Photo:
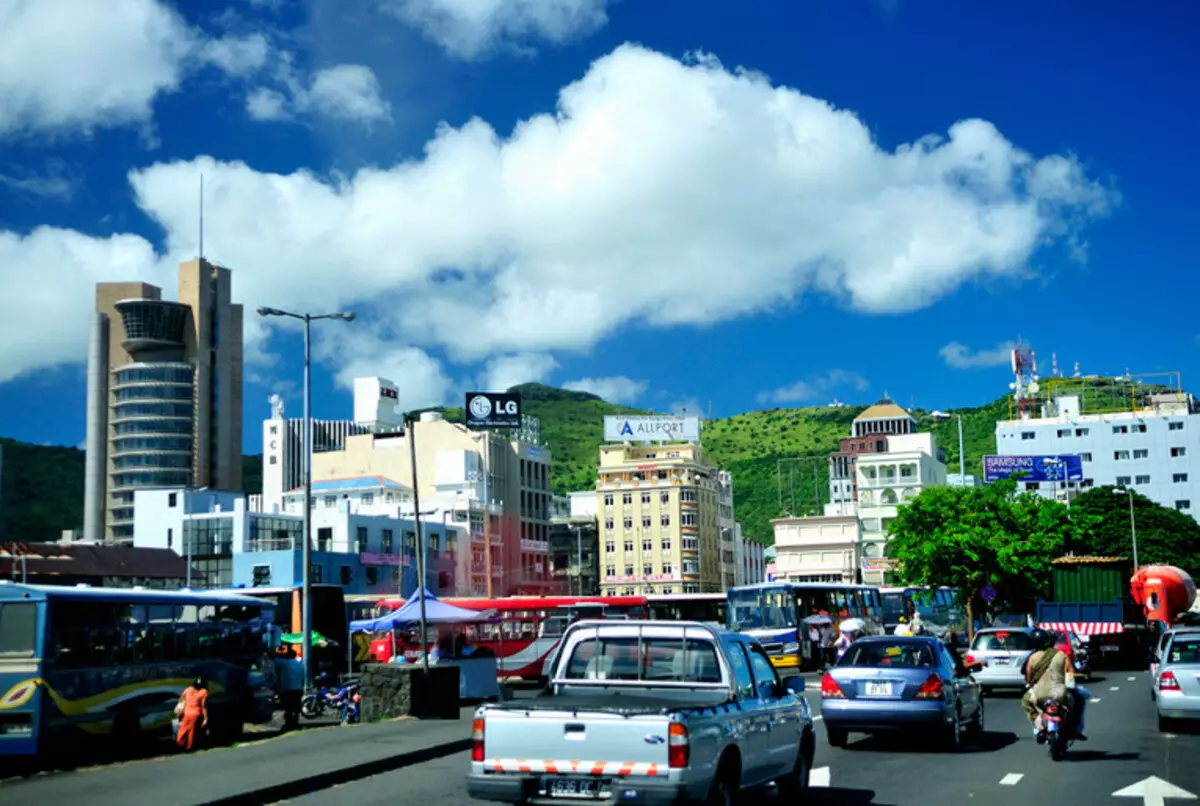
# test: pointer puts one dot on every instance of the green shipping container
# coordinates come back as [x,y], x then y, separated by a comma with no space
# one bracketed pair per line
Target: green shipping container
[1092,579]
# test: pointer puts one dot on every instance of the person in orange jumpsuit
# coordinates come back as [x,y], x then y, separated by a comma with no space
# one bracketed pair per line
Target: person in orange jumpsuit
[195,709]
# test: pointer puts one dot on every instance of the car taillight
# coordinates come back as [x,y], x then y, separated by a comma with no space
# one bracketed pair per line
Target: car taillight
[971,660]
[1167,682]
[932,688]
[830,688]
[678,746]
[477,740]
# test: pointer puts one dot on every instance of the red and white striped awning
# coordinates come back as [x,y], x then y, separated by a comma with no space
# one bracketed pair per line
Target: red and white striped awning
[1085,628]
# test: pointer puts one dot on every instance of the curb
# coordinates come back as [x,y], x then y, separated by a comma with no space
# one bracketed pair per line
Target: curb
[328,780]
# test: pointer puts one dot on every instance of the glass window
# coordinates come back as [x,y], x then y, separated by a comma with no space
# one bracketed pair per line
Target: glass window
[18,629]
[1003,641]
[661,659]
[889,653]
[765,679]
[742,679]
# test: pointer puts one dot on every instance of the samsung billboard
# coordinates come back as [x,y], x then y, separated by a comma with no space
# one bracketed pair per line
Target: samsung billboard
[1067,467]
[656,428]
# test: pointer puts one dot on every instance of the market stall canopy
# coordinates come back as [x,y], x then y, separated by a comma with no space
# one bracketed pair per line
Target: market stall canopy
[436,612]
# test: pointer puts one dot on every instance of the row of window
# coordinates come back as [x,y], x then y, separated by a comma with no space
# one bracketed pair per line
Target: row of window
[1135,428]
[647,570]
[689,544]
[686,496]
[686,519]
[668,589]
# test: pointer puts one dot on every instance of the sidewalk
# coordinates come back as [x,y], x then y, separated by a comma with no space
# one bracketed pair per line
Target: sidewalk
[260,772]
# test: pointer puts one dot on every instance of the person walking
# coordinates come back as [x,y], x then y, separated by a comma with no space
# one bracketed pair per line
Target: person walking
[289,671]
[192,709]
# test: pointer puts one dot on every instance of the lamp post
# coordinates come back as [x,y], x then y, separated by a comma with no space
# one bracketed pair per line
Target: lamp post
[1132,522]
[306,546]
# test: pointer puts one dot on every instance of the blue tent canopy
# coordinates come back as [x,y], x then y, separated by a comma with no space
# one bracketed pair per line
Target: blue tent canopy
[436,612]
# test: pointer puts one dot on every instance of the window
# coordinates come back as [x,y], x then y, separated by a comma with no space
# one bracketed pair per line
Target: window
[1177,452]
[668,569]
[1176,426]
[627,498]
[1027,435]
[1183,505]
[608,499]
[1180,478]
[1120,429]
[368,499]
[647,544]
[346,575]
[1064,432]
[688,519]
[172,499]
[610,547]
[387,542]
[765,679]
[666,545]
[324,538]
[1003,641]
[261,576]
[1141,480]
[665,520]
[629,546]
[274,460]
[742,680]
[645,521]
[629,569]
[645,498]
[18,630]
[665,659]
[890,654]
[362,540]
[1119,455]
[610,571]
[647,569]
[664,498]
[1081,432]
[608,524]
[1123,481]
[1140,428]
[316,573]
[1141,453]
[372,575]
[1085,457]
[628,523]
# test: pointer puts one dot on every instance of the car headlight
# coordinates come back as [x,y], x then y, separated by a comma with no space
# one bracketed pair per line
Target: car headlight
[792,648]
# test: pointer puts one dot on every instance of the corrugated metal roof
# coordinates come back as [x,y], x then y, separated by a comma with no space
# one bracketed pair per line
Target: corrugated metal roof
[55,559]
[352,484]
[1088,559]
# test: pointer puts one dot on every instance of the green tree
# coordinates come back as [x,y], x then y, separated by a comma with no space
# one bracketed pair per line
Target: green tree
[970,537]
[1164,535]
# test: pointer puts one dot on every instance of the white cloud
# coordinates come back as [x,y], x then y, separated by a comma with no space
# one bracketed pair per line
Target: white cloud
[72,66]
[471,28]
[356,350]
[238,56]
[507,371]
[487,245]
[816,387]
[960,356]
[56,183]
[617,389]
[342,92]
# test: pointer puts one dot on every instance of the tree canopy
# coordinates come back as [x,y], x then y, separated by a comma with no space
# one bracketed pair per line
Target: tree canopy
[1164,535]
[971,537]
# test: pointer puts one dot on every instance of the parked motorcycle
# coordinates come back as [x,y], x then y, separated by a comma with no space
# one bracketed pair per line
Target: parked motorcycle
[314,703]
[350,706]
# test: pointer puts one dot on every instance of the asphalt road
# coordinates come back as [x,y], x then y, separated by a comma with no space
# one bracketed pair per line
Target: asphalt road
[1006,769]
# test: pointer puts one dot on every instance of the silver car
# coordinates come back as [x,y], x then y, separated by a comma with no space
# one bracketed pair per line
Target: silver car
[1159,652]
[999,654]
[1178,680]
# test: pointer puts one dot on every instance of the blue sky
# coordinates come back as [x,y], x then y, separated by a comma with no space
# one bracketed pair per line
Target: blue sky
[669,202]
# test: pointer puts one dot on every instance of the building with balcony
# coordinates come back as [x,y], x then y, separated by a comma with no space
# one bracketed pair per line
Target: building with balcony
[659,520]
[1152,447]
[164,395]
[728,530]
[869,434]
[823,548]
[886,480]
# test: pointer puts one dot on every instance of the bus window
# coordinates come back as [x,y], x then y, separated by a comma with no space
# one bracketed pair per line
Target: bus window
[18,629]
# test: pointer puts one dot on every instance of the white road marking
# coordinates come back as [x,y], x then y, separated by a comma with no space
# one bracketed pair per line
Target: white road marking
[1094,699]
[1132,679]
[1012,779]
[819,777]
[818,718]
[1115,688]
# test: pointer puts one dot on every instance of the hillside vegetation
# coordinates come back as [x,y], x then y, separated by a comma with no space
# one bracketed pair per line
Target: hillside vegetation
[777,457]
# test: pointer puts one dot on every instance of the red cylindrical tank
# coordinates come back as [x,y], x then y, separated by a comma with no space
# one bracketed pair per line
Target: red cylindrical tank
[1163,591]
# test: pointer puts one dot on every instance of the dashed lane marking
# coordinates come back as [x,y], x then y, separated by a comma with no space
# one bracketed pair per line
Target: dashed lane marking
[1094,699]
[1115,688]
[1012,779]
[818,718]
[1132,679]
[819,777]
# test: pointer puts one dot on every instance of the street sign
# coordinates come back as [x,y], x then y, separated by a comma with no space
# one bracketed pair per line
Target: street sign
[493,410]
[988,593]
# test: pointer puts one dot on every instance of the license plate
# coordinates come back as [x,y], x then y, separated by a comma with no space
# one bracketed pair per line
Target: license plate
[579,788]
[879,689]
[1003,661]
[1109,648]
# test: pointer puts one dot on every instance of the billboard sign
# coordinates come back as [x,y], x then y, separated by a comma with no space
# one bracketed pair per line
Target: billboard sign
[493,410]
[655,428]
[1067,467]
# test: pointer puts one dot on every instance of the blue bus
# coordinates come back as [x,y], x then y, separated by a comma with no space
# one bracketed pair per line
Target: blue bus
[82,664]
[941,614]
[775,612]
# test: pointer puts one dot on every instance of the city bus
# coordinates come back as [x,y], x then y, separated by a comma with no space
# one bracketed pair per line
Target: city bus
[328,618]
[775,613]
[688,607]
[521,631]
[941,614]
[86,666]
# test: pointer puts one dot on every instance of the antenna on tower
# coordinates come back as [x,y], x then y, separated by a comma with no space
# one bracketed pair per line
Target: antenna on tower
[201,256]
[1053,365]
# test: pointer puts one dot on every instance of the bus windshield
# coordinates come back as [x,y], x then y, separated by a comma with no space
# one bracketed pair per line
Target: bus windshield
[761,609]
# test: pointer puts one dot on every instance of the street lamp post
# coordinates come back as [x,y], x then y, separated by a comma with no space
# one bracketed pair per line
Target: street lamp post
[1132,523]
[306,527]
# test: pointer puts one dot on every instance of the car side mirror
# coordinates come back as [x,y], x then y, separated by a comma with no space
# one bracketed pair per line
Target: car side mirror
[793,684]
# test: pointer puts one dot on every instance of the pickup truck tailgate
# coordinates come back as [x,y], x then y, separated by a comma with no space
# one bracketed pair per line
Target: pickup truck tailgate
[581,741]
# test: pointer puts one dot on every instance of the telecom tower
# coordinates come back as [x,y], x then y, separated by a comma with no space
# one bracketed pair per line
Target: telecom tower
[1025,381]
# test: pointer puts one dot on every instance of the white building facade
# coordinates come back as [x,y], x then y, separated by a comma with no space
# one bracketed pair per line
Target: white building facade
[1153,450]
[817,549]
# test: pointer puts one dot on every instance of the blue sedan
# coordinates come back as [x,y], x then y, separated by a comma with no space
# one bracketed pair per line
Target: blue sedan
[892,683]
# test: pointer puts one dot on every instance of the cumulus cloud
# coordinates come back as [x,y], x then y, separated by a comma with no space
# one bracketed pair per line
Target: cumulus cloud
[356,350]
[471,28]
[71,66]
[343,92]
[960,356]
[506,371]
[488,245]
[57,182]
[816,387]
[616,389]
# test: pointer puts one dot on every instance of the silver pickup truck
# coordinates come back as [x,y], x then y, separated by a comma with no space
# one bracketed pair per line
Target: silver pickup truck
[647,712]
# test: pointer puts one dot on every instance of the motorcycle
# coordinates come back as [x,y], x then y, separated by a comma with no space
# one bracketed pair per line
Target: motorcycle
[350,706]
[314,703]
[1053,733]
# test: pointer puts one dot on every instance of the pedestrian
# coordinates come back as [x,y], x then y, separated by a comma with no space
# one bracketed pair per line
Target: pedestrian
[289,671]
[192,709]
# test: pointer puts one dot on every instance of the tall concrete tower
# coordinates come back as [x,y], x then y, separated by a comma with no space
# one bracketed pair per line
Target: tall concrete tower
[164,394]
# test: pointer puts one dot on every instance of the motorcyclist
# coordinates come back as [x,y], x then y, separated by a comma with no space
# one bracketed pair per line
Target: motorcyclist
[1049,675]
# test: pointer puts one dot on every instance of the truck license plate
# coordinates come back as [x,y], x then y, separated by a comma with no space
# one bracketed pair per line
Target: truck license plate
[581,788]
[879,689]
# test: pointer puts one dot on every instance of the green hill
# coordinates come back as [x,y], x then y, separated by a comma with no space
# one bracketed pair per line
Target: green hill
[777,457]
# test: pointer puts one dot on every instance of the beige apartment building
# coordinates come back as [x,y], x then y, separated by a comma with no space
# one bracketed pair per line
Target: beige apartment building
[164,394]
[659,520]
[450,464]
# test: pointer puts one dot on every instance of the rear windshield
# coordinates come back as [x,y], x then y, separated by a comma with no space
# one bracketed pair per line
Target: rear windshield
[1003,641]
[889,653]
[1185,650]
[655,659]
